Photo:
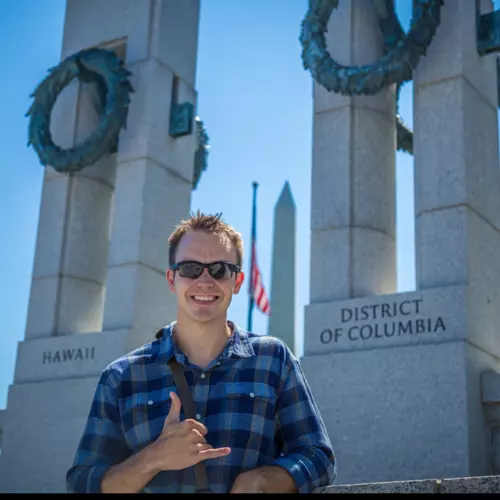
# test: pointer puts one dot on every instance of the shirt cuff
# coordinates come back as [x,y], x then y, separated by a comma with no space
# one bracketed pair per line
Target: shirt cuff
[295,466]
[89,480]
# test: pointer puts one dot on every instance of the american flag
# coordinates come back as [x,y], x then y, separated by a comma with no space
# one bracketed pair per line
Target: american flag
[257,287]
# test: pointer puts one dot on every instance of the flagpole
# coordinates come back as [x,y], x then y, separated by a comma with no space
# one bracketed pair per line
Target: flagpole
[252,256]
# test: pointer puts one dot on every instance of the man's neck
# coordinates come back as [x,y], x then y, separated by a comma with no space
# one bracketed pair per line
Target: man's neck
[201,342]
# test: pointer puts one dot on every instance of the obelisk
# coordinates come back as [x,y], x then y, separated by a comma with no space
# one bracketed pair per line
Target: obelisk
[98,287]
[283,270]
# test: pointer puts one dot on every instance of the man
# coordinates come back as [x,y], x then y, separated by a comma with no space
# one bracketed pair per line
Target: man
[257,428]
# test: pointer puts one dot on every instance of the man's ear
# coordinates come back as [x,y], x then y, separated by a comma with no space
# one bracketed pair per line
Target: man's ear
[240,278]
[170,278]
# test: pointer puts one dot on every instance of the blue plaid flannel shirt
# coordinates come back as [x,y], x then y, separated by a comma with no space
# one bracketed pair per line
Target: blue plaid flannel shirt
[253,398]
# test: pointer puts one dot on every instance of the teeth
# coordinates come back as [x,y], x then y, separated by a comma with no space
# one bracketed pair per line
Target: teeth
[204,298]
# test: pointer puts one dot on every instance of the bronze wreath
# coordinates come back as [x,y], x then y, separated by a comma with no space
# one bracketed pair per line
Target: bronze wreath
[90,65]
[402,54]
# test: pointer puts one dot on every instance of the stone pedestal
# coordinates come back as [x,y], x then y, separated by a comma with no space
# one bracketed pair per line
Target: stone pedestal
[99,288]
[403,400]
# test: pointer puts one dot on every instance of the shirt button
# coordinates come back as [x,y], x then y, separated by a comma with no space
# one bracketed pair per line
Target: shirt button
[203,375]
[252,395]
[198,416]
[150,402]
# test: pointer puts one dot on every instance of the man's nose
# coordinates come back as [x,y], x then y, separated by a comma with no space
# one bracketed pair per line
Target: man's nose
[205,277]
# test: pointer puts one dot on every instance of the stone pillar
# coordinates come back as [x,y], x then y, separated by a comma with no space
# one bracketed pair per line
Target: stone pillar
[102,248]
[282,319]
[353,248]
[154,175]
[457,194]
[457,175]
[69,272]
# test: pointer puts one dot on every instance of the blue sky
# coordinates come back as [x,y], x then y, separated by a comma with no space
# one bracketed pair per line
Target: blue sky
[255,100]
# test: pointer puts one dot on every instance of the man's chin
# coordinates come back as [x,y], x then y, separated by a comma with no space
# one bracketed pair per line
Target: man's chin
[204,316]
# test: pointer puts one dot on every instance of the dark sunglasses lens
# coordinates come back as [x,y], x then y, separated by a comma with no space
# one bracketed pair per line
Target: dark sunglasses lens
[190,270]
[220,271]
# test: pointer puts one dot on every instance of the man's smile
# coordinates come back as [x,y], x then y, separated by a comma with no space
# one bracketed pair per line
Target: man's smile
[204,299]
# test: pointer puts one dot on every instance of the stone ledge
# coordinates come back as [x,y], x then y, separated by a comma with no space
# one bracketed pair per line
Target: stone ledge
[479,484]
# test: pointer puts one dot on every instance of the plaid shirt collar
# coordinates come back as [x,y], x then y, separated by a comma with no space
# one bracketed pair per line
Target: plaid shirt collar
[237,346]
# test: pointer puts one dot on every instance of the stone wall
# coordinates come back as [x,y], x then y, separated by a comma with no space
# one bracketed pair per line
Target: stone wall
[482,484]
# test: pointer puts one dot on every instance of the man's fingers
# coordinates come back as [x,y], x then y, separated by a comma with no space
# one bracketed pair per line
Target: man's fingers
[200,447]
[175,409]
[214,453]
[189,424]
[196,436]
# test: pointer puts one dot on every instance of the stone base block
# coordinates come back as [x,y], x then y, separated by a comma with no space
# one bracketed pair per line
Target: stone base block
[41,430]
[65,357]
[404,412]
[481,484]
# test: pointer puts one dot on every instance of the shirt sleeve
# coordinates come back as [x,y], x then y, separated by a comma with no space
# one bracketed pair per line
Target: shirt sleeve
[307,453]
[102,443]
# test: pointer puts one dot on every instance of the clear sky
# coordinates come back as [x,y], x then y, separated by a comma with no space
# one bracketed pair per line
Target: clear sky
[255,100]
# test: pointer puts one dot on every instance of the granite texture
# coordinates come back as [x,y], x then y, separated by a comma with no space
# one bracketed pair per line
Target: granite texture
[92,22]
[147,133]
[383,321]
[80,306]
[425,486]
[462,165]
[457,179]
[87,230]
[176,44]
[138,300]
[42,308]
[68,356]
[453,51]
[40,439]
[353,172]
[481,484]
[50,235]
[490,382]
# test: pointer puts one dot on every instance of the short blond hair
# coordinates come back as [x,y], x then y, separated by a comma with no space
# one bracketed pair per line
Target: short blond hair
[212,224]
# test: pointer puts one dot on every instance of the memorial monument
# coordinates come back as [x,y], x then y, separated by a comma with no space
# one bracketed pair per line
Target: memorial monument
[109,201]
[408,383]
[283,275]
[410,375]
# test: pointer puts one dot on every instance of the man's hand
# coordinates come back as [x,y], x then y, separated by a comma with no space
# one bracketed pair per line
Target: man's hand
[270,479]
[181,444]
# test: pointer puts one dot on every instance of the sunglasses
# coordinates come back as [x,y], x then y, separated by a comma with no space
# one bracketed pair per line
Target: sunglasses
[218,270]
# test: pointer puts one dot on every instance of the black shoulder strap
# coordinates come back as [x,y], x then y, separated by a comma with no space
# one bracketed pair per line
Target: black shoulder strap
[200,471]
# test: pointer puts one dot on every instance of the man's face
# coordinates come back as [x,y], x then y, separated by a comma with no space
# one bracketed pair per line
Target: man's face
[204,299]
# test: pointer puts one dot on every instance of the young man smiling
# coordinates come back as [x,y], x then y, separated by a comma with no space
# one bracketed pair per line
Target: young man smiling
[257,427]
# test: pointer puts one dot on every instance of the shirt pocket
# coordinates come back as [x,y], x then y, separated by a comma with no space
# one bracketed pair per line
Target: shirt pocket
[251,406]
[143,417]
